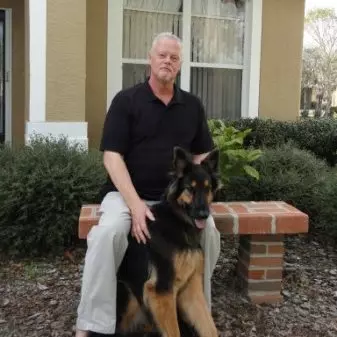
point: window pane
(133, 74)
(136, 73)
(217, 32)
(222, 8)
(219, 90)
(144, 19)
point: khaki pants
(107, 243)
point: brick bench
(261, 227)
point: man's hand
(139, 213)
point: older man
(142, 126)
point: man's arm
(117, 170)
(114, 143)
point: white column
(186, 38)
(252, 59)
(114, 49)
(37, 60)
(37, 122)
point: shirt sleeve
(116, 129)
(203, 141)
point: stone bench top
(250, 217)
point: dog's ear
(212, 161)
(181, 160)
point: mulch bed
(39, 297)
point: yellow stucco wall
(66, 60)
(18, 68)
(281, 53)
(96, 68)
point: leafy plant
(235, 160)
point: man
(142, 126)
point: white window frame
(251, 61)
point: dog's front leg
(163, 309)
(194, 307)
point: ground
(40, 297)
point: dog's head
(193, 186)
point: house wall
(96, 68)
(18, 68)
(66, 60)
(281, 54)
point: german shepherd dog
(160, 284)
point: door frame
(8, 75)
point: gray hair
(166, 35)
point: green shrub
(316, 135)
(6, 156)
(42, 187)
(288, 174)
(329, 210)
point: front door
(2, 76)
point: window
(142, 20)
(213, 35)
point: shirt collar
(178, 96)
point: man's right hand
(115, 165)
(139, 212)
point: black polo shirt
(144, 130)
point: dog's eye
(189, 188)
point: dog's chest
(186, 264)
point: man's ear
(181, 160)
(212, 161)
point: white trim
(135, 61)
(151, 11)
(186, 38)
(114, 49)
(252, 59)
(221, 18)
(76, 132)
(216, 65)
(37, 59)
(192, 64)
(8, 75)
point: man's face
(165, 60)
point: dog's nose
(202, 214)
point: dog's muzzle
(200, 217)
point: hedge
(318, 136)
(42, 188)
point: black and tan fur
(160, 284)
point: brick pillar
(260, 267)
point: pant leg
(107, 243)
(210, 243)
